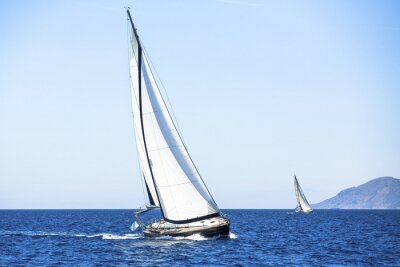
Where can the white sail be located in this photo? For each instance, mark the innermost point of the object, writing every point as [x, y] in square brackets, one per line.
[301, 198]
[172, 178]
[137, 124]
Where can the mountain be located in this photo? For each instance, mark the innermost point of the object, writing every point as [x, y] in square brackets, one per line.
[379, 193]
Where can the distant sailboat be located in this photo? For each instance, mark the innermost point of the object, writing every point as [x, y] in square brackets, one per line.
[172, 181]
[302, 203]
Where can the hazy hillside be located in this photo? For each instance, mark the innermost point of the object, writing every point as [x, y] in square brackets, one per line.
[379, 193]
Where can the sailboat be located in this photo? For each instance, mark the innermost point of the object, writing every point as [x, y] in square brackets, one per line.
[302, 203]
[173, 183]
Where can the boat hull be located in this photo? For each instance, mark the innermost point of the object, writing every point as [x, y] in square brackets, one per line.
[207, 228]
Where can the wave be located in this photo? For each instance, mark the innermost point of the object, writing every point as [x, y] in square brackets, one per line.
[113, 236]
[63, 234]
[108, 236]
[232, 235]
[193, 237]
[32, 233]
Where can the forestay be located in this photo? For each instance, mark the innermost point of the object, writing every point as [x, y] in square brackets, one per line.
[173, 181]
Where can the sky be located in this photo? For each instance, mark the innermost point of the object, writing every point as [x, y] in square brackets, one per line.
[260, 89]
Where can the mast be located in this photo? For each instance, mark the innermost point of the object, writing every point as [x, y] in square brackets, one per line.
[170, 174]
[133, 26]
[141, 114]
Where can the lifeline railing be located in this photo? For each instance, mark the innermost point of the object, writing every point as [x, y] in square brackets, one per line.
[140, 211]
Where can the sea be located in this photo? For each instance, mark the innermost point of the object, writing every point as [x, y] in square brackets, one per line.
[258, 238]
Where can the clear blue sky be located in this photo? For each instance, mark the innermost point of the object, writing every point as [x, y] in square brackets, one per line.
[261, 90]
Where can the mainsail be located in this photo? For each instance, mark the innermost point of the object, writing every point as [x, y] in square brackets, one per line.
[302, 203]
[172, 180]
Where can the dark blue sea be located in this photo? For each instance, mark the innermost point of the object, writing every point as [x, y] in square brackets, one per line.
[258, 238]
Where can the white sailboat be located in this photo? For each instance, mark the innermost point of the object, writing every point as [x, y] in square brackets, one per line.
[173, 183]
[302, 203]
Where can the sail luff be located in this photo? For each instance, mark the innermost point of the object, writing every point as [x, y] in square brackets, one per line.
[138, 57]
[145, 167]
[141, 119]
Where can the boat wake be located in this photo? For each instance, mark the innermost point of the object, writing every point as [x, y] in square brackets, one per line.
[31, 233]
[108, 236]
[64, 234]
[112, 236]
[194, 237]
[232, 235]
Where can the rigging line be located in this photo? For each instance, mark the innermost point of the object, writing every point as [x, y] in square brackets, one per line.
[163, 148]
[301, 191]
[139, 73]
[173, 185]
[133, 115]
[162, 163]
[141, 121]
[137, 103]
[175, 120]
[151, 112]
[155, 122]
[134, 125]
[180, 136]
[130, 44]
[130, 82]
